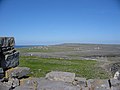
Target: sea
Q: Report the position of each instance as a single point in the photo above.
(27, 46)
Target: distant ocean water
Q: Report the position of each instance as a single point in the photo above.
(26, 46)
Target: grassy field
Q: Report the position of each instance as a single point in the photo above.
(83, 68)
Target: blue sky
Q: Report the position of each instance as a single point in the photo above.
(60, 21)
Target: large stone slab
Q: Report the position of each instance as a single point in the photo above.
(7, 41)
(98, 84)
(45, 84)
(55, 85)
(61, 76)
(10, 60)
(17, 72)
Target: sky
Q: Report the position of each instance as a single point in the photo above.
(44, 22)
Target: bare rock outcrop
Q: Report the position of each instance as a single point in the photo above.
(61, 76)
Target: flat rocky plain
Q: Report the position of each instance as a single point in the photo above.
(71, 51)
(106, 55)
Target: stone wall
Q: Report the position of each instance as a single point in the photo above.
(9, 57)
(57, 80)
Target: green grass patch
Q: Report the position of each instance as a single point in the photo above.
(83, 68)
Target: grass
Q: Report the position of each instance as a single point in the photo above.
(82, 68)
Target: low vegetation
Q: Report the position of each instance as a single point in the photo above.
(83, 68)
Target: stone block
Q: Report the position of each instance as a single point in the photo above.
(78, 81)
(7, 41)
(25, 88)
(98, 84)
(114, 82)
(4, 86)
(12, 82)
(115, 88)
(45, 84)
(15, 82)
(10, 60)
(6, 49)
(61, 76)
(29, 82)
(17, 72)
(9, 51)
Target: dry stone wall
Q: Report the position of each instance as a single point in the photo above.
(10, 74)
(54, 81)
(9, 57)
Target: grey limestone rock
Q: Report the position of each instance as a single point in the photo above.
(29, 82)
(11, 82)
(15, 82)
(98, 84)
(61, 76)
(78, 81)
(25, 88)
(18, 72)
(4, 86)
(115, 84)
(45, 84)
(115, 88)
(10, 60)
(7, 41)
(9, 57)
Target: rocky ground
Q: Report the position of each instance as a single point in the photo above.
(74, 51)
(56, 81)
